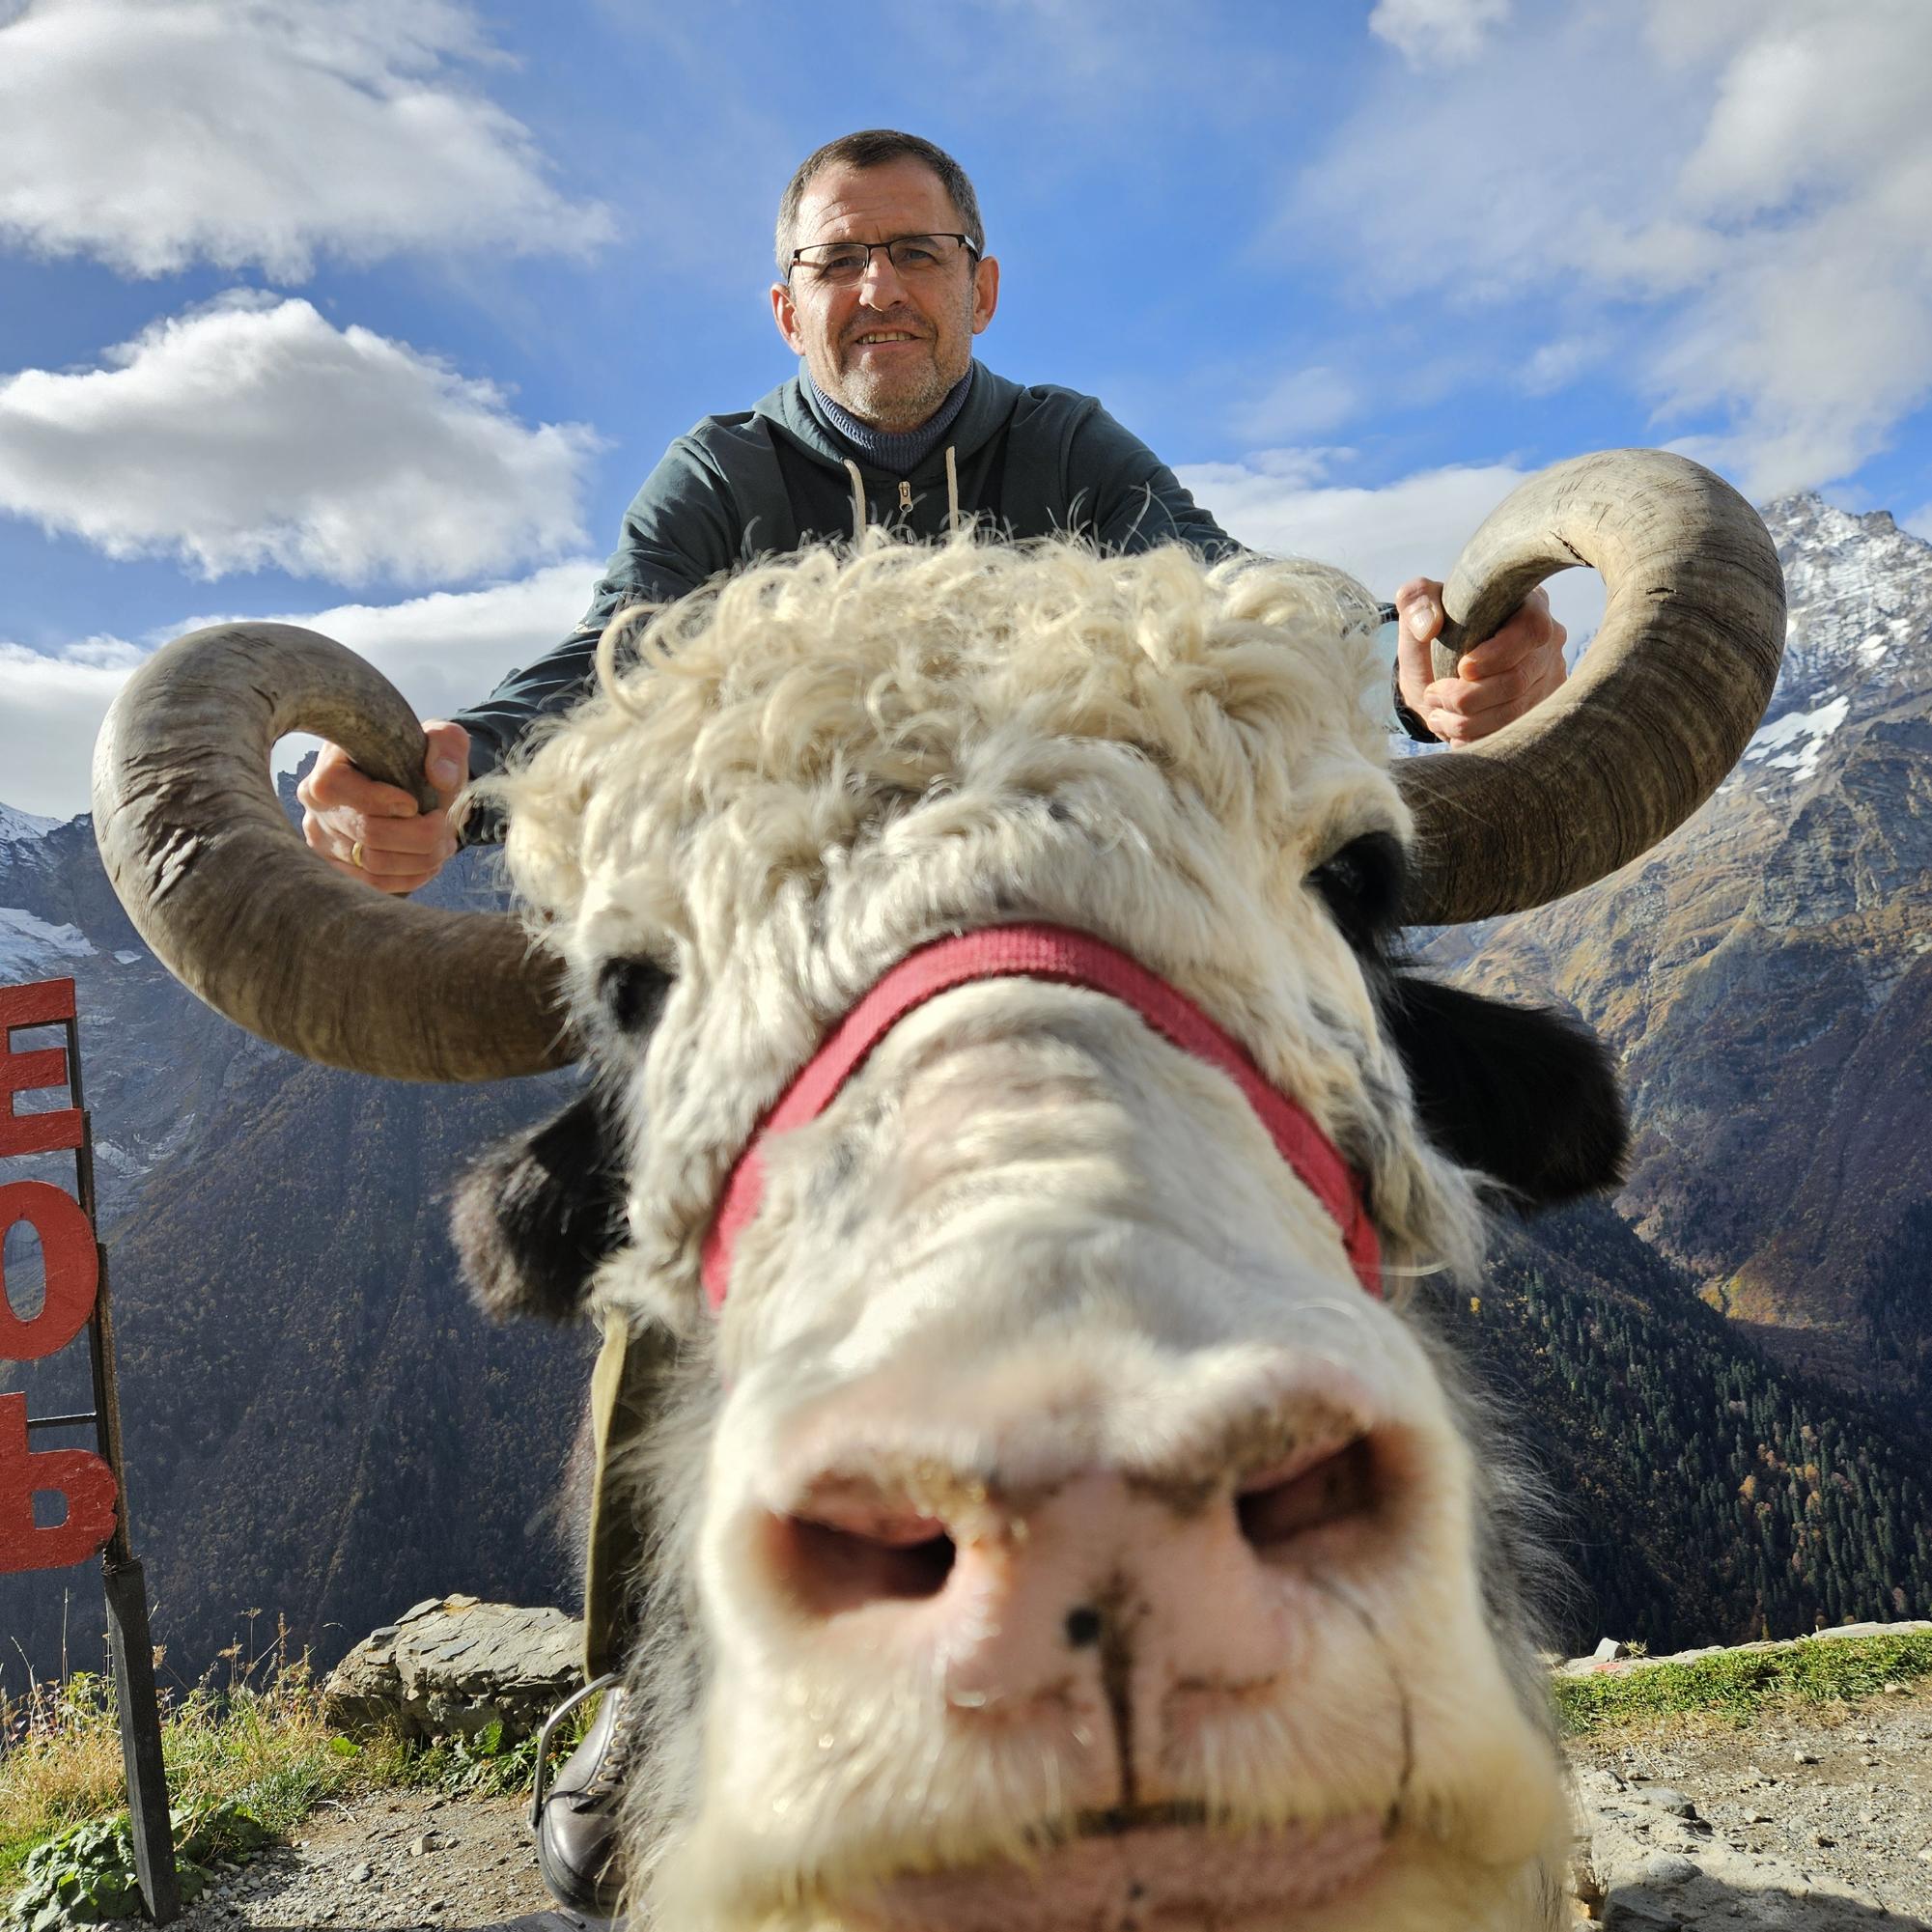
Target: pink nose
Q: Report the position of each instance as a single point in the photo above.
(1124, 1593)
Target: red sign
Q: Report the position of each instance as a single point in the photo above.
(70, 1266)
(78, 1476)
(44, 1004)
(72, 1269)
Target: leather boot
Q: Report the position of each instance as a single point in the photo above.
(574, 1815)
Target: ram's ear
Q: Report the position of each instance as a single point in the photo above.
(1522, 1094)
(534, 1216)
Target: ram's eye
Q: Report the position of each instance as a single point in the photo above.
(1361, 887)
(631, 992)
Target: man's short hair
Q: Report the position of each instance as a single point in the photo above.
(873, 148)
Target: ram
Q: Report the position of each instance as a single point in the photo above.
(1004, 1089)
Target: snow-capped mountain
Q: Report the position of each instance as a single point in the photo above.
(22, 827)
(59, 919)
(1859, 591)
(30, 947)
(1766, 975)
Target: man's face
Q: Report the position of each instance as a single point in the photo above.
(886, 348)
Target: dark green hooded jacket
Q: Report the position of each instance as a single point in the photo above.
(762, 482)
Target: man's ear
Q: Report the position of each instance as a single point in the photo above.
(785, 313)
(534, 1216)
(985, 292)
(1522, 1094)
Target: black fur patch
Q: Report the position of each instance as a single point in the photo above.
(1361, 887)
(535, 1214)
(632, 993)
(1523, 1094)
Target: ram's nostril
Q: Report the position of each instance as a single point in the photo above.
(1341, 1484)
(833, 1569)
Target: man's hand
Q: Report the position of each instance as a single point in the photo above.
(373, 832)
(1494, 684)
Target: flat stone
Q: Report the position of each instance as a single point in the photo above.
(452, 1666)
(1668, 1869)
(1661, 1798)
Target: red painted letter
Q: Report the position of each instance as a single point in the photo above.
(45, 1003)
(71, 1268)
(84, 1481)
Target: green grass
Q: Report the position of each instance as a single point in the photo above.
(1736, 1683)
(246, 1761)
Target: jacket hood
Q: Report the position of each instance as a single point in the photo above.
(989, 405)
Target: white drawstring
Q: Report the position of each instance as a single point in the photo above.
(859, 495)
(858, 501)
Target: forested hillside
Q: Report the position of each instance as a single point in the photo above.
(1708, 1495)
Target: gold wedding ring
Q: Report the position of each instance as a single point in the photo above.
(355, 855)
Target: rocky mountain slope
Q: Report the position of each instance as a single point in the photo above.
(318, 1424)
(1766, 978)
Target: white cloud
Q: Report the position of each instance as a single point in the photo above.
(265, 132)
(50, 709)
(1309, 401)
(443, 651)
(1557, 363)
(1282, 501)
(1771, 230)
(255, 432)
(1438, 31)
(447, 650)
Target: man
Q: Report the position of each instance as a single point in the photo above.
(883, 282)
(889, 390)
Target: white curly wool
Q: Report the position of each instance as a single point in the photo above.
(786, 786)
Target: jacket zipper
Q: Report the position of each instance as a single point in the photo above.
(905, 493)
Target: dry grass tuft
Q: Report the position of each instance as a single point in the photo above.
(255, 1746)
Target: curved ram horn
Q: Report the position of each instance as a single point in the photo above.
(1660, 709)
(241, 911)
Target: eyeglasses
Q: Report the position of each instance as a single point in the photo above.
(842, 263)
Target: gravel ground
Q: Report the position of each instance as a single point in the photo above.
(397, 1859)
(1813, 1819)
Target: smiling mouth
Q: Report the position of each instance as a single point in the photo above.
(879, 338)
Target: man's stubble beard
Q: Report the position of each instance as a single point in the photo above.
(877, 397)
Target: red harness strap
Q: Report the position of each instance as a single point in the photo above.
(1075, 959)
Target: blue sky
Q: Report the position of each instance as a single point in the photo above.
(375, 312)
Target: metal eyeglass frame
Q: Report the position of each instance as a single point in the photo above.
(798, 254)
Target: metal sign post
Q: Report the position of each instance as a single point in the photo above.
(93, 1486)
